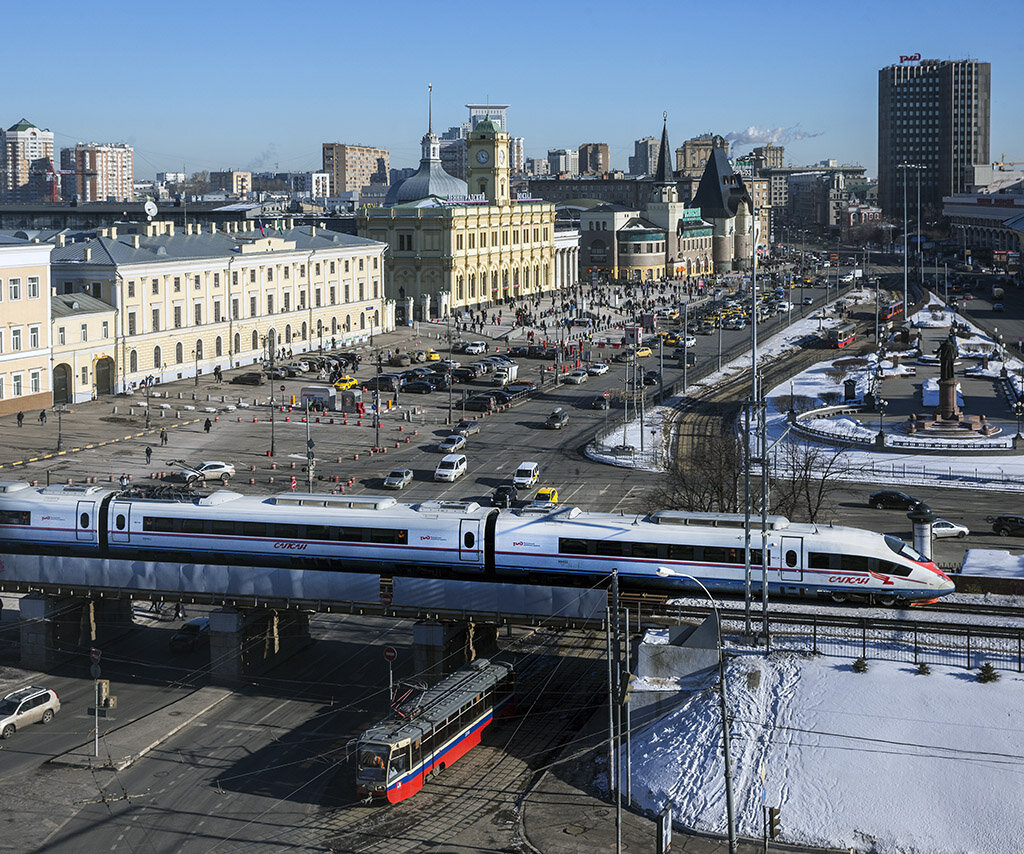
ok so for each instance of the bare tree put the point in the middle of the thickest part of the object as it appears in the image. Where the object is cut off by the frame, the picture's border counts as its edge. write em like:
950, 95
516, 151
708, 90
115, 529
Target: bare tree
707, 478
793, 403
805, 478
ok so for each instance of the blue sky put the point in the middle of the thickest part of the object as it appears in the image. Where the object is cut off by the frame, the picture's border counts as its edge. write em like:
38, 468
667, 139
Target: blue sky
259, 85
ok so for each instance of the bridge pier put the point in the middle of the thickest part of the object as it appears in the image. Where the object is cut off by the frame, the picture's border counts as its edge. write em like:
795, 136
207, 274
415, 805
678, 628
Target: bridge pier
54, 626
246, 642
442, 647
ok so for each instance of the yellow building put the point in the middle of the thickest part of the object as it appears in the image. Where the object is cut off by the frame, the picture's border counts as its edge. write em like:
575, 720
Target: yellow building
83, 346
466, 245
25, 380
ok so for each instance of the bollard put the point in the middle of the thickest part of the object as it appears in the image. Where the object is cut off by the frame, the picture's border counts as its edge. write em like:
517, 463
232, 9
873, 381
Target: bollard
398, 444
293, 483
360, 424
331, 421
351, 480
252, 480
293, 463
339, 459
69, 481
268, 454
270, 479
407, 440
273, 466
253, 468
286, 418
355, 456
253, 419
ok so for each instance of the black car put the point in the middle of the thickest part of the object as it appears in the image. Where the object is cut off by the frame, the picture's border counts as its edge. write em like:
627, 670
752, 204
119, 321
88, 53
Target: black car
248, 378
191, 636
519, 351
464, 375
419, 387
351, 360
599, 402
652, 378
891, 500
504, 496
1007, 526
480, 403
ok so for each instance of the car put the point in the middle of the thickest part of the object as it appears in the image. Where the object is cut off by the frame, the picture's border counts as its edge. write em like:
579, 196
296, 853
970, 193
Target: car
275, 373
433, 355
997, 306
690, 341
451, 467
520, 351
191, 636
502, 397
504, 496
557, 419
597, 369
1008, 525
807, 301
419, 387
459, 346
475, 348
344, 383
292, 370
399, 360
481, 402
464, 375
576, 377
526, 474
483, 367
25, 706
467, 427
891, 500
546, 495
600, 402
706, 329
644, 352
945, 528
248, 378
209, 470
652, 377
398, 478
451, 444
521, 387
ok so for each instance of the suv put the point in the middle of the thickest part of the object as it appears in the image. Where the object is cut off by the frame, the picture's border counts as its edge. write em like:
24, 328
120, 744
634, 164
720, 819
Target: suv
892, 501
191, 636
504, 496
27, 706
249, 378
1007, 525
557, 420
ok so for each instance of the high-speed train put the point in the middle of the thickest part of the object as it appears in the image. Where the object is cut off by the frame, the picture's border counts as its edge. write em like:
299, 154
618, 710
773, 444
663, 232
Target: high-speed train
459, 539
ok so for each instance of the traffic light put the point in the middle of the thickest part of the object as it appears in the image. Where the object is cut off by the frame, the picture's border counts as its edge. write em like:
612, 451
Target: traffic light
774, 823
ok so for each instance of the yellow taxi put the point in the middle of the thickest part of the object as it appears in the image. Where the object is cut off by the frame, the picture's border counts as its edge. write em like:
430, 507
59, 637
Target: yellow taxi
547, 495
643, 352
433, 355
344, 383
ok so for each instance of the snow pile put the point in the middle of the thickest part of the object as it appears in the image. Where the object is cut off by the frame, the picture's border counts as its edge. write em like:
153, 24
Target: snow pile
842, 427
886, 761
993, 563
934, 316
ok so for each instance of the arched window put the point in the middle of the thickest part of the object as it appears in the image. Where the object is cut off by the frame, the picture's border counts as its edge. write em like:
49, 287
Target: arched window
133, 361
376, 318
334, 326
199, 348
158, 361
472, 285
218, 346
179, 353
319, 328
458, 289
303, 336
238, 343
288, 334
348, 323
255, 340
362, 321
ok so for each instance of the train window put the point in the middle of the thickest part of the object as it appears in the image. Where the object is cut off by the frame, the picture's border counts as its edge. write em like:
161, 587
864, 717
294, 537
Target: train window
284, 531
157, 523
610, 548
120, 521
890, 568
254, 529
680, 551
389, 536
318, 532
15, 517
83, 521
715, 554
193, 526
469, 539
819, 560
222, 527
791, 557
350, 535
755, 557
569, 546
648, 550
853, 563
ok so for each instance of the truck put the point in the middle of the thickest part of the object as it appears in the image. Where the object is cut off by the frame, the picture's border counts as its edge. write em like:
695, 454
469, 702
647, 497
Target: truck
505, 374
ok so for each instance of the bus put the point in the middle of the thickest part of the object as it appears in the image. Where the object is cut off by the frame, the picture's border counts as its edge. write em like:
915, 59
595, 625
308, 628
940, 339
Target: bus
842, 334
432, 729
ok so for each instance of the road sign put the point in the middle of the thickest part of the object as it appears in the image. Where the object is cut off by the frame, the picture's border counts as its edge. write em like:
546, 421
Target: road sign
386, 599
282, 388
94, 671
606, 395
95, 655
390, 653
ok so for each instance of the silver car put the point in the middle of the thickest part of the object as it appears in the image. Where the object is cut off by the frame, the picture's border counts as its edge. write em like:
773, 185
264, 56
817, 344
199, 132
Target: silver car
27, 706
398, 479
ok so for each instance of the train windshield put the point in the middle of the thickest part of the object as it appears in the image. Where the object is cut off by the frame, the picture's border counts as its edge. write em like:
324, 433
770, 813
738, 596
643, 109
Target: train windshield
374, 757
903, 550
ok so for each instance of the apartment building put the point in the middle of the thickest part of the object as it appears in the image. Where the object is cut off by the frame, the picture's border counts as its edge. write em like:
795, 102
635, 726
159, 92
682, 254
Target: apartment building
352, 167
594, 158
26, 162
235, 183
98, 173
25, 380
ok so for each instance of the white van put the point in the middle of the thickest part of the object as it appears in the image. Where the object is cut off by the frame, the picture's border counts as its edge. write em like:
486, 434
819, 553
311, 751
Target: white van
451, 467
526, 475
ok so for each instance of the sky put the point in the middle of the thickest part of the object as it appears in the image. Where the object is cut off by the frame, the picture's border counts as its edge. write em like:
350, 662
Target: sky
260, 86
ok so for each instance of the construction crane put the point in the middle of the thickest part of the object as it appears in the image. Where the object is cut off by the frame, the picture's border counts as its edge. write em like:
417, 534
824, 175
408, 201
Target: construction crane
1003, 163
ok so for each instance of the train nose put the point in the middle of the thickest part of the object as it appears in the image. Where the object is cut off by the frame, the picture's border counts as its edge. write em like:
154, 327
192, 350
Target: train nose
945, 584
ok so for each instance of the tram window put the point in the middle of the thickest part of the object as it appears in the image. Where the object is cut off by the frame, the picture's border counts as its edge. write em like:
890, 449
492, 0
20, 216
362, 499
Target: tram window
791, 557
192, 526
853, 563
569, 546
15, 517
469, 540
318, 532
399, 762
680, 551
254, 529
284, 531
224, 528
84, 520
609, 548
649, 550
819, 560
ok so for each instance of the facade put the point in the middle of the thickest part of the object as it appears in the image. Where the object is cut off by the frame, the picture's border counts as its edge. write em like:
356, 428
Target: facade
935, 114
99, 173
631, 193
768, 157
563, 161
693, 156
725, 204
779, 179
989, 219
535, 166
594, 158
83, 330
645, 156
26, 163
189, 301
235, 183
856, 215
352, 167
25, 377
461, 248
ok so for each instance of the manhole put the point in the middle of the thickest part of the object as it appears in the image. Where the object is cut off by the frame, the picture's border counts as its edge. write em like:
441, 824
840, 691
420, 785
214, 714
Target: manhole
173, 714
574, 830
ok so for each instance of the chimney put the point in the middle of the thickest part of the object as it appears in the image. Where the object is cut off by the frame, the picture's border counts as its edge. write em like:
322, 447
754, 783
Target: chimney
170, 228
88, 253
213, 227
113, 232
61, 241
135, 241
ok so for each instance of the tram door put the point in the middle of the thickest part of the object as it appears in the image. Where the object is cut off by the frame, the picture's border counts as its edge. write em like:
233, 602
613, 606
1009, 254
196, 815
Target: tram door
791, 559
469, 540
84, 524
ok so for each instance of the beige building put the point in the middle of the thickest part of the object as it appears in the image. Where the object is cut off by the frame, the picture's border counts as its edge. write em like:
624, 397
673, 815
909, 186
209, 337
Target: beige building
26, 163
693, 155
235, 183
187, 302
24, 325
83, 346
98, 173
466, 245
352, 167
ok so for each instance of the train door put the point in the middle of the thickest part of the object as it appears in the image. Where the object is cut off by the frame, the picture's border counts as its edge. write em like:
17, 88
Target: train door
791, 559
469, 540
120, 515
85, 527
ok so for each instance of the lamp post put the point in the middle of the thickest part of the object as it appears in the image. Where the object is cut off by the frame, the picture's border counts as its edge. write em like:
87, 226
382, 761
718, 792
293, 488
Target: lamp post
1018, 410
195, 356
149, 384
881, 403
60, 410
729, 810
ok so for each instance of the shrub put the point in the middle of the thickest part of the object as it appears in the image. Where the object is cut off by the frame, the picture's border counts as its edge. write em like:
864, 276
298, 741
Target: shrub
860, 665
988, 673
923, 669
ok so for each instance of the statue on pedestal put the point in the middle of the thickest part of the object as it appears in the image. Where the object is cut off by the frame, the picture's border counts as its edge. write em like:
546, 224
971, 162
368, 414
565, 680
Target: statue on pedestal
947, 357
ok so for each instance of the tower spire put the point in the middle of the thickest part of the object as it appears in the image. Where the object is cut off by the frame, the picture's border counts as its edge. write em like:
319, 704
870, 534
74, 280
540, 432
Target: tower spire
430, 109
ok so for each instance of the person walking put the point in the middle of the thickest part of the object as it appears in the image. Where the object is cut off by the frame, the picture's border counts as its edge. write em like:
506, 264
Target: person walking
21, 418
123, 480
163, 435
149, 455
207, 425
179, 611
42, 417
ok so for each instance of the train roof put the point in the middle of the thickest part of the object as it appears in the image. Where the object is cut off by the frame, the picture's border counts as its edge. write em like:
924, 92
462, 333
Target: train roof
430, 708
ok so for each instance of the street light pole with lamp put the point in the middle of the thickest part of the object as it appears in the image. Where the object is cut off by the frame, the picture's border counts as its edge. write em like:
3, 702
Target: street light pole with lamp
195, 357
881, 403
1018, 410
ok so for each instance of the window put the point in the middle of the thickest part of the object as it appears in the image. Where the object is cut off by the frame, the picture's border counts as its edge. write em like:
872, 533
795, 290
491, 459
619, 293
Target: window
332, 268
179, 353
16, 338
216, 280
316, 269
302, 271
348, 295
85, 376
177, 317
252, 306
360, 265
216, 311
177, 284
32, 287
105, 329
458, 241
287, 302
270, 274
16, 384
316, 298
375, 262
333, 295
33, 337
570, 546
155, 285
287, 272
252, 275
198, 286
156, 320
62, 334
234, 309
198, 312
234, 277
34, 382
14, 289
133, 361
270, 303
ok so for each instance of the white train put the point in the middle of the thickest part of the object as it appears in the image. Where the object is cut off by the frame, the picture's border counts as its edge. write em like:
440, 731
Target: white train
365, 533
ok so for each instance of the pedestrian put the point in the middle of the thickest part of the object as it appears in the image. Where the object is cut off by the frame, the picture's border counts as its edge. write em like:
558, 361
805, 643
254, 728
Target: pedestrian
207, 425
123, 480
163, 435
149, 455
179, 611
21, 418
42, 417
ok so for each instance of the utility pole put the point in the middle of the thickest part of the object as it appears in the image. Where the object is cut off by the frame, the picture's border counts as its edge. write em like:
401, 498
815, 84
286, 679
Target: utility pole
310, 459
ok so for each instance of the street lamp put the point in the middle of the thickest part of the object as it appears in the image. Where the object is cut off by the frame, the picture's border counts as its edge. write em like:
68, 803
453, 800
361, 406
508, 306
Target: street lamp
60, 410
195, 356
881, 403
1018, 410
149, 385
730, 814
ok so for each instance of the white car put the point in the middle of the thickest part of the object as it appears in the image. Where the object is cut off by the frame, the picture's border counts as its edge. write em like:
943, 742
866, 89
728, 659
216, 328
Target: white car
475, 348
208, 470
945, 528
576, 377
598, 368
691, 341
451, 444
398, 479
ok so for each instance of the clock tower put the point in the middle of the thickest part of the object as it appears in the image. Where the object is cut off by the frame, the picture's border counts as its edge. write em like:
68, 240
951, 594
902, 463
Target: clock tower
488, 163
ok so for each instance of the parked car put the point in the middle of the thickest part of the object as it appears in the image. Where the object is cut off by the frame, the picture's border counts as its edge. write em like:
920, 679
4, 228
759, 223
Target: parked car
475, 348
248, 378
420, 386
1008, 525
557, 419
343, 383
399, 360
433, 355
451, 444
546, 495
464, 375
481, 403
209, 470
891, 500
504, 496
576, 377
27, 706
467, 427
644, 352
521, 387
398, 478
598, 368
945, 528
191, 636
483, 367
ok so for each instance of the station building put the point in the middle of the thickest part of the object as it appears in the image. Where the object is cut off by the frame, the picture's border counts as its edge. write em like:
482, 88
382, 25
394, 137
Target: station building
25, 378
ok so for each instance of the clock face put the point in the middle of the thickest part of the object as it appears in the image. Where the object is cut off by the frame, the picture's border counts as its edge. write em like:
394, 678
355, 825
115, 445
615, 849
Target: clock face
482, 155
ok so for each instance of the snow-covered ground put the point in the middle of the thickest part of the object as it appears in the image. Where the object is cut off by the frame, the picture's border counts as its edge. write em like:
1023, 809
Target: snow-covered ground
887, 761
994, 563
